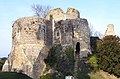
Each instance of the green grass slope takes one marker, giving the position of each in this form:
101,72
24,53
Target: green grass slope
13,75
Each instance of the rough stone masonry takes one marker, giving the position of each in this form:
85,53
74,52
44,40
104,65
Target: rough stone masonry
33,36
110,30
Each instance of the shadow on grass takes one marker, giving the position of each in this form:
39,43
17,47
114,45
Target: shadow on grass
13,75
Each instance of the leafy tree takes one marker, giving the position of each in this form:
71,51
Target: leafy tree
47,76
108,54
70,58
61,61
93,62
51,76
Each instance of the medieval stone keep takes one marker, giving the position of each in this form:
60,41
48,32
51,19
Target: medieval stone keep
33,36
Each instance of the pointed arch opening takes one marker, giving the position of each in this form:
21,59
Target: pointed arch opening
77,47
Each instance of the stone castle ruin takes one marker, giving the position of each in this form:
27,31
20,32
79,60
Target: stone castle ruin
33,36
110,30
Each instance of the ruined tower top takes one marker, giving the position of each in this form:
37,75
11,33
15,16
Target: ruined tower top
72,13
110,30
58,14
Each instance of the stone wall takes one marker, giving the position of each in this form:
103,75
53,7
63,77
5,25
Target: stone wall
69,29
58,14
28,39
110,30
39,65
69,32
85,38
32,37
72,13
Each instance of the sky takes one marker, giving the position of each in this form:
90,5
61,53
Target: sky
99,14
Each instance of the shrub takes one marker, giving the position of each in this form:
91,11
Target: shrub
62,62
93,62
108,54
52,76
47,76
70,57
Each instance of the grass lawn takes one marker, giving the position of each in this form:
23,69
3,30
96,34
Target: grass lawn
96,76
13,75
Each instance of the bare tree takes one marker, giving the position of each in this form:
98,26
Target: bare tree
91,29
98,34
40,10
93,32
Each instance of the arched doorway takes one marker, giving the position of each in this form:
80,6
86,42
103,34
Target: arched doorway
77,48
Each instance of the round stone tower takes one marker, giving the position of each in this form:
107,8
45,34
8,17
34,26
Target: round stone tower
28,39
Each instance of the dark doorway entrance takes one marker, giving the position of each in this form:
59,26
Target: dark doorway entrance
77,48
